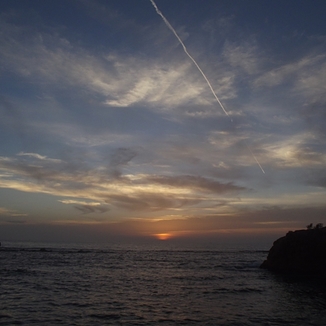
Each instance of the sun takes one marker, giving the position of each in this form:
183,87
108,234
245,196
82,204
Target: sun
162,236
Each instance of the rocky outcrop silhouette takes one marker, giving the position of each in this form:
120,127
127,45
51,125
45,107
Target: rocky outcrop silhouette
301,251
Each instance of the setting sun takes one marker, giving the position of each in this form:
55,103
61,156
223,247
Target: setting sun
163,236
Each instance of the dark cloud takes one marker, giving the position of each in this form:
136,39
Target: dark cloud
13,221
150,201
118,159
55,173
315,117
297,216
87,209
45,172
57,177
121,156
320,182
306,155
196,183
273,217
316,177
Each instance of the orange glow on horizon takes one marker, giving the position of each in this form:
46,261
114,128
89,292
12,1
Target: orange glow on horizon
163,236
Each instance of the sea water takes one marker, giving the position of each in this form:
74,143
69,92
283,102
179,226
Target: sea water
67,285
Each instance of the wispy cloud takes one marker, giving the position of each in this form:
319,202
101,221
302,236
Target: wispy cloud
195,182
245,57
296,151
86,207
11,215
122,81
9,212
298,72
39,157
102,187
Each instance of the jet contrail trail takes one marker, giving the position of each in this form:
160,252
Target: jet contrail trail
190,57
262,170
200,70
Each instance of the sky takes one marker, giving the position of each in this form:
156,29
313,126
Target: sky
197,119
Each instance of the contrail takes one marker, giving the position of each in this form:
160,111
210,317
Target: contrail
262,170
190,57
200,70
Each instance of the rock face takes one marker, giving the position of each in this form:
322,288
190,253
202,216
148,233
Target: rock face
302,251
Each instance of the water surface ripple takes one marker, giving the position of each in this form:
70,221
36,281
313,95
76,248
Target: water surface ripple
152,287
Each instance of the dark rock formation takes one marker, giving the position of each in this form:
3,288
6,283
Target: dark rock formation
302,252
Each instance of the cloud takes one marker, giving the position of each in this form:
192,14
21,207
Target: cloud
9,212
120,80
12,216
299,72
295,151
296,215
28,173
121,156
166,86
151,201
196,183
243,56
312,84
254,222
40,157
316,177
86,207
103,189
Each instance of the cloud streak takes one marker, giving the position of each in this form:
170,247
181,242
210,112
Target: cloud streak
196,182
121,81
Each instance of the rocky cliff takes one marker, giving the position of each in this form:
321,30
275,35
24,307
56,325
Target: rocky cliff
302,251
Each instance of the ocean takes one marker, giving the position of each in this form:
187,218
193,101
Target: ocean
85,285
